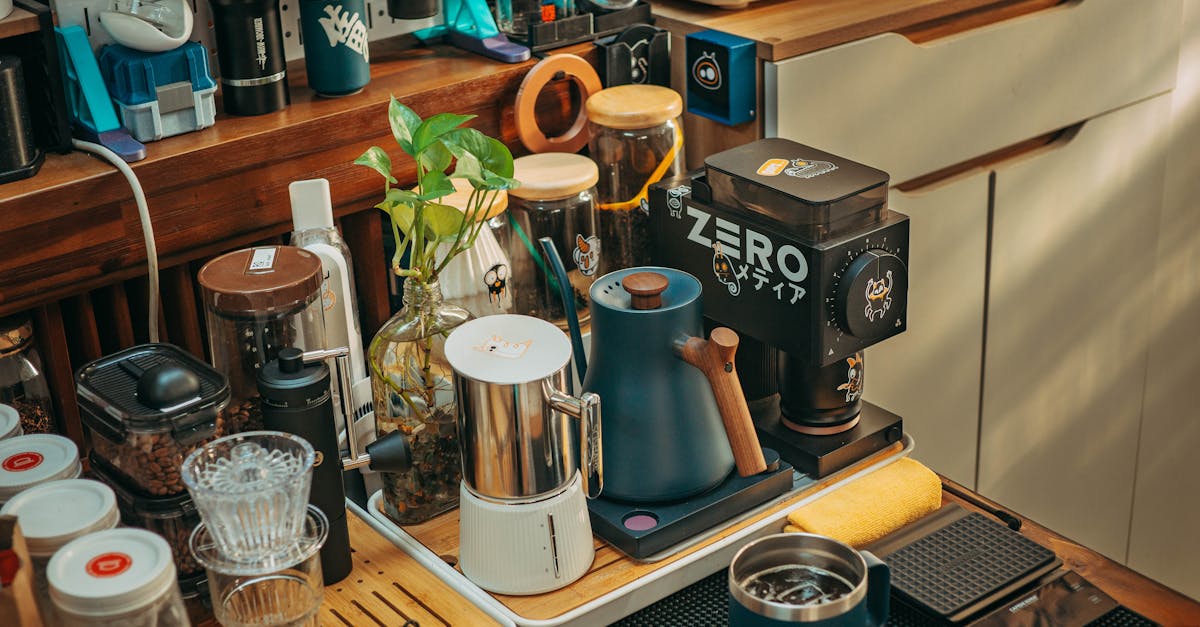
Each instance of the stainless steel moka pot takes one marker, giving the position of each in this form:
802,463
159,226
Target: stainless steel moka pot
530,453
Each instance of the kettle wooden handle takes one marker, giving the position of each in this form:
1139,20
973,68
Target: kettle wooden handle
714,357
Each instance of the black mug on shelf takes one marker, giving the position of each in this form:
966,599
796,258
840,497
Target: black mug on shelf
250,54
413,9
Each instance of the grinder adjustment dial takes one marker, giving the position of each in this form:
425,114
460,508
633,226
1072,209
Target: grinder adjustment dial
871,294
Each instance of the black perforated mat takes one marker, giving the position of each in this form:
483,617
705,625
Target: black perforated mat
702,604
1122,617
964,563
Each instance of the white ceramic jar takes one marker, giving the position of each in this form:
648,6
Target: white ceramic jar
31,460
55,513
116,578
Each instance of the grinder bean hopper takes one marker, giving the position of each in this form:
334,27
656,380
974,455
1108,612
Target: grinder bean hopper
797,249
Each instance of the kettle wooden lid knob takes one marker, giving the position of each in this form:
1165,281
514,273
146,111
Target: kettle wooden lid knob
645,289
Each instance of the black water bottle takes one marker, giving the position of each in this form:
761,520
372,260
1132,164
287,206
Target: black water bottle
296,399
250,54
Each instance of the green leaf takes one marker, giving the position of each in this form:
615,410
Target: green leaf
492,154
435,184
468,167
378,160
404,122
435,157
443,221
402,214
436,126
493,181
401,196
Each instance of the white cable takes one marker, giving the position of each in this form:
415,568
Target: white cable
139,197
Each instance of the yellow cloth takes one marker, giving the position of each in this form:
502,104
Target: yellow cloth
872,506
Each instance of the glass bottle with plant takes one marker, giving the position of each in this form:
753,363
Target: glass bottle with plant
412,383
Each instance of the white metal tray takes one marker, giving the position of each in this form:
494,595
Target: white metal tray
633,596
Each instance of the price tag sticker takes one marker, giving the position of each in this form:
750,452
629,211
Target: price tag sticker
262,260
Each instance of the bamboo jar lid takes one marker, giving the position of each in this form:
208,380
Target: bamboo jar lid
553,175
634,106
462,196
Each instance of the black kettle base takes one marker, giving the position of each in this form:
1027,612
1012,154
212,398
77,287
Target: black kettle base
645,530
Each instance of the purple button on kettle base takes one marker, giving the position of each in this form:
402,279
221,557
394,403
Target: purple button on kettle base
640,521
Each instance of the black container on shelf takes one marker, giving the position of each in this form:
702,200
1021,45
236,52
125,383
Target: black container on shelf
19,155
45,95
413,9
250,53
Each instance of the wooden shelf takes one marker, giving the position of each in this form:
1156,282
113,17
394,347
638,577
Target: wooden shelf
785,28
19,22
74,226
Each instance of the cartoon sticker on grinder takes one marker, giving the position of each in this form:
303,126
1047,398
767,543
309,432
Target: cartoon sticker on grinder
723,268
879,297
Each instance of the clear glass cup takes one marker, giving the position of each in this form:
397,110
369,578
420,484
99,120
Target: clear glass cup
285,590
252,491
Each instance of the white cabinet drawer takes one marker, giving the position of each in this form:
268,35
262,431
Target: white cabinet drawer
913,109
929,374
1071,290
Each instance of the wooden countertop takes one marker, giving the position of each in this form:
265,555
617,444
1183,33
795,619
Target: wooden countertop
387,587
1130,588
786,28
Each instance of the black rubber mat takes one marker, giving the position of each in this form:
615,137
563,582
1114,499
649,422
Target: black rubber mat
702,604
1122,617
963,564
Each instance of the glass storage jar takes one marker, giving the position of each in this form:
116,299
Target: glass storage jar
148,407
53,514
22,381
637,140
172,517
257,301
514,17
31,460
116,578
556,199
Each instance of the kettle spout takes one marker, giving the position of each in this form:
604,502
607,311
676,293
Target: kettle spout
568,299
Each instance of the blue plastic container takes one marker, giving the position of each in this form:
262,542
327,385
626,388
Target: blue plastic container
160,94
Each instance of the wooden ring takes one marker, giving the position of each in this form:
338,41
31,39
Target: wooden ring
531,134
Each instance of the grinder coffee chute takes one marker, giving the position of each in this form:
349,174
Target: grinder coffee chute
797,249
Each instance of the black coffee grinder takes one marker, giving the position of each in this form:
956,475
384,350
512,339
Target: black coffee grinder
296,398
797,249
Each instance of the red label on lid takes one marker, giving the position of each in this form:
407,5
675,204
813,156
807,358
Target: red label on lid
22,461
108,564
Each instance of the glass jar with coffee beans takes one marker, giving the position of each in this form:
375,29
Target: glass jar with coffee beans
147,408
257,301
22,380
637,140
171,517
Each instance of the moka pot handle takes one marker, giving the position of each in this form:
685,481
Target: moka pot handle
585,407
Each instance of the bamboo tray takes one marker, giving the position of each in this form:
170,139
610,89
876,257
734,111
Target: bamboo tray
615,586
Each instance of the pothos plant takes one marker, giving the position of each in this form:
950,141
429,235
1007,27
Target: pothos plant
419,222
430,232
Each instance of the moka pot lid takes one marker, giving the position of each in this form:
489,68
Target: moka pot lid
507,349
